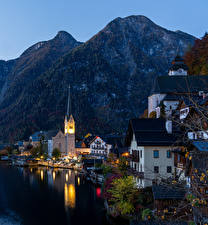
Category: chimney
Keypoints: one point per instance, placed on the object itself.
(168, 126)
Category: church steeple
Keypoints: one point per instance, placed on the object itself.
(178, 68)
(69, 120)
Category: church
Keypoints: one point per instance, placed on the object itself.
(65, 141)
(169, 89)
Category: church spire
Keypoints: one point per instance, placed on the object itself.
(69, 120)
(68, 113)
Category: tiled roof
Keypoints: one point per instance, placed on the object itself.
(180, 84)
(201, 145)
(148, 125)
(161, 192)
(150, 132)
(155, 139)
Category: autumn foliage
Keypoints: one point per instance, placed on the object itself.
(197, 57)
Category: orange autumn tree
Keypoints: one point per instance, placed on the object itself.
(197, 57)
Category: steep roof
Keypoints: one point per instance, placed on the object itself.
(149, 132)
(180, 84)
(155, 139)
(147, 125)
(201, 145)
(162, 192)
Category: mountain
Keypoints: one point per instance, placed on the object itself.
(111, 76)
(33, 62)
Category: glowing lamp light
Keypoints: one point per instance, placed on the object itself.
(98, 192)
(71, 131)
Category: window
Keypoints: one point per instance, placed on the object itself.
(168, 154)
(141, 154)
(169, 169)
(140, 168)
(156, 154)
(156, 169)
(135, 166)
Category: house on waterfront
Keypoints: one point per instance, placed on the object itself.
(99, 147)
(150, 145)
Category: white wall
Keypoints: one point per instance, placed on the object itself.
(198, 135)
(50, 148)
(102, 148)
(147, 162)
(179, 72)
(162, 162)
(154, 101)
(170, 106)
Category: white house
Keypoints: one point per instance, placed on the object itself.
(99, 147)
(150, 149)
(170, 89)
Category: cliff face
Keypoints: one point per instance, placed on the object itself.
(111, 76)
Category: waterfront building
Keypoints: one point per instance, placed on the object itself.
(65, 141)
(99, 147)
(150, 145)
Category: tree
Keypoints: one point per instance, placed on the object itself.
(9, 150)
(106, 169)
(146, 214)
(35, 151)
(123, 165)
(56, 153)
(111, 157)
(152, 114)
(123, 194)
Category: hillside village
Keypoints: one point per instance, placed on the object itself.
(165, 150)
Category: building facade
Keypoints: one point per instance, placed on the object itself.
(150, 148)
(65, 142)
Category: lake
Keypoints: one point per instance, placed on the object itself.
(41, 196)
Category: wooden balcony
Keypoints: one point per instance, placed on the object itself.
(181, 166)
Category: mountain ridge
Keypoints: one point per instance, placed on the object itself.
(111, 76)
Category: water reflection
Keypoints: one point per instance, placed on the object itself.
(69, 195)
(41, 175)
(61, 193)
(67, 177)
(78, 181)
(54, 175)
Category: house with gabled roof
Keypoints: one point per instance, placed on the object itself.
(150, 146)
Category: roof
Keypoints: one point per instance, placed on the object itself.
(147, 125)
(155, 139)
(179, 66)
(50, 134)
(180, 84)
(162, 192)
(201, 145)
(150, 132)
(47, 135)
(171, 97)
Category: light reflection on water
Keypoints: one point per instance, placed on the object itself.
(62, 194)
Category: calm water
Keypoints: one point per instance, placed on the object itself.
(48, 196)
